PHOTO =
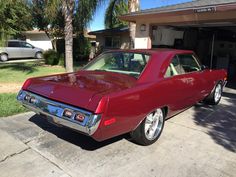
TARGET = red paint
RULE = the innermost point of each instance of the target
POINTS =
(26, 84)
(124, 101)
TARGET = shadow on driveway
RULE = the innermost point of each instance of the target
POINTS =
(83, 141)
(219, 121)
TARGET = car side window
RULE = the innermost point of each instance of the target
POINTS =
(26, 45)
(189, 63)
(13, 44)
(174, 68)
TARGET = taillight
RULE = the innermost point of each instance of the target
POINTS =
(26, 84)
(67, 113)
(79, 117)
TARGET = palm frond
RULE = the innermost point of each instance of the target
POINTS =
(113, 11)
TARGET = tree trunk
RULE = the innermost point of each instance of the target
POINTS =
(68, 7)
(54, 47)
(133, 6)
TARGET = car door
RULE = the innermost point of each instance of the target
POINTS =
(194, 76)
(178, 85)
(27, 50)
(13, 49)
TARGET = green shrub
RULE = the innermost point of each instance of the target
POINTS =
(51, 57)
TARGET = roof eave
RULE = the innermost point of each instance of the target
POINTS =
(133, 17)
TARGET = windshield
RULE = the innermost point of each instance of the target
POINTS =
(120, 62)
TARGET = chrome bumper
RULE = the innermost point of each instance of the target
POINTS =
(54, 112)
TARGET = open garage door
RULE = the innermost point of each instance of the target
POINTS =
(215, 45)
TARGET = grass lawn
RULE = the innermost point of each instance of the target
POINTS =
(19, 72)
(9, 105)
(14, 74)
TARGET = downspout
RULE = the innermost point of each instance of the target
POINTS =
(212, 50)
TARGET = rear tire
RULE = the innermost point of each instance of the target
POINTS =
(215, 97)
(39, 55)
(3, 57)
(149, 131)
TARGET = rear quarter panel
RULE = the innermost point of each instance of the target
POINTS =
(130, 107)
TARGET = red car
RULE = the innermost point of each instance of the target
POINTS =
(125, 91)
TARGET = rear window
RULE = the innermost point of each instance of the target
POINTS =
(120, 62)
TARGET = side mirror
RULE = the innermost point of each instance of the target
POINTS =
(203, 67)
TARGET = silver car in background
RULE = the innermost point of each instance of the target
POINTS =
(19, 49)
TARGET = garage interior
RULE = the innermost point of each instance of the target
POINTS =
(214, 45)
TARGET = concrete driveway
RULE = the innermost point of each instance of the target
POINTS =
(198, 142)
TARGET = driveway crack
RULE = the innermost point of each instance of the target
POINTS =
(50, 161)
(42, 133)
(14, 154)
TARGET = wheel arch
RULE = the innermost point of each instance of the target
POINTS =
(5, 54)
(165, 110)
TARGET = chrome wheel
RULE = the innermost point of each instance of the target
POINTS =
(4, 57)
(153, 124)
(218, 92)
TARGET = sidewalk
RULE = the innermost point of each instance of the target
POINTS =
(18, 159)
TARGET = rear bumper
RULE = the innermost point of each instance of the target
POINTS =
(54, 110)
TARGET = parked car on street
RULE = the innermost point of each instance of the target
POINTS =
(19, 49)
(125, 91)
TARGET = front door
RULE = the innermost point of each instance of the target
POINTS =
(194, 76)
(180, 86)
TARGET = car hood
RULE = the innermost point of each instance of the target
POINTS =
(83, 89)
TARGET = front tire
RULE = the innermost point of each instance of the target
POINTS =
(215, 97)
(3, 57)
(150, 129)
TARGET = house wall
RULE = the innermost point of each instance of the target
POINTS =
(39, 40)
(142, 38)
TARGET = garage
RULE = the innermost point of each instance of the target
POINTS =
(207, 27)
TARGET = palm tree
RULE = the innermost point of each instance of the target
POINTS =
(77, 14)
(115, 9)
(133, 6)
(67, 9)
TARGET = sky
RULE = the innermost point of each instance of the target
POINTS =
(98, 20)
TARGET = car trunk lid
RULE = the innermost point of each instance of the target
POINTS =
(79, 88)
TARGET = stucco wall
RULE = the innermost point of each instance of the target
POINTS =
(39, 40)
(142, 38)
